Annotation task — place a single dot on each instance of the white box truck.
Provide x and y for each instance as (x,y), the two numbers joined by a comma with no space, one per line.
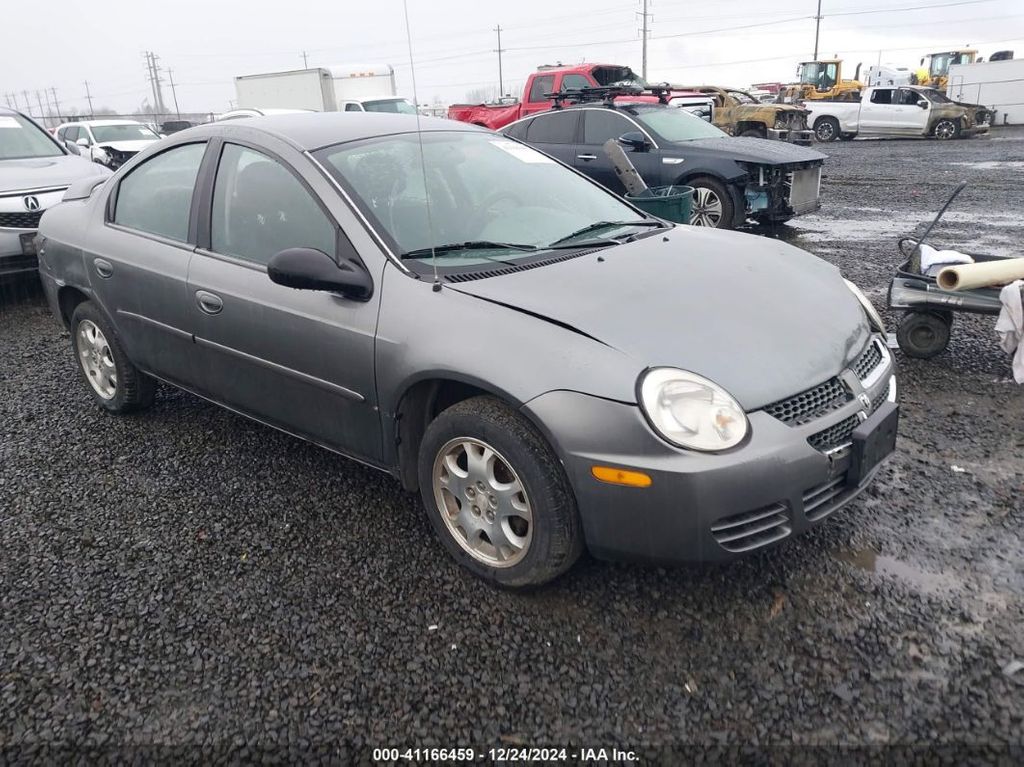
(999,85)
(323,89)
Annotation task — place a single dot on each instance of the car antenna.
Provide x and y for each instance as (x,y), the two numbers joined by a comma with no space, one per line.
(419,137)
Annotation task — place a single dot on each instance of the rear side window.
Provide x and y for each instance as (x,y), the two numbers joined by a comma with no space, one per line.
(553,128)
(260,209)
(881,96)
(156,197)
(540,86)
(599,126)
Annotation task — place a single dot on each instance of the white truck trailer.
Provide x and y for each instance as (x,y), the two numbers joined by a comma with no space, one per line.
(999,85)
(323,89)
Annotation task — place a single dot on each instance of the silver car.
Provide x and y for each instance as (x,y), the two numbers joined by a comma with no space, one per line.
(34,172)
(550,368)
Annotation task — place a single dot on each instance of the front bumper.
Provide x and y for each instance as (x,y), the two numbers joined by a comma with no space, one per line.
(13,259)
(804,136)
(700,507)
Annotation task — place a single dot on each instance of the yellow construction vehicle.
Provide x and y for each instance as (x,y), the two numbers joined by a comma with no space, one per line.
(936,65)
(822,79)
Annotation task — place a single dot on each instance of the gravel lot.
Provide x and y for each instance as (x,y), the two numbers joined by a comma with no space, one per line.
(189,577)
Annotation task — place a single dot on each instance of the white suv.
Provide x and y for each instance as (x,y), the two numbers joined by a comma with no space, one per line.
(108,142)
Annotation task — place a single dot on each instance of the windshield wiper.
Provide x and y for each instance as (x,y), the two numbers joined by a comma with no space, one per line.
(470,245)
(598,225)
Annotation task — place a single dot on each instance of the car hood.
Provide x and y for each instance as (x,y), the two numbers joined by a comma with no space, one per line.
(44,172)
(762,318)
(756,150)
(127,146)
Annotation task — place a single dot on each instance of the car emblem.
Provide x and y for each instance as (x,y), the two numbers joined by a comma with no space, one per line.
(31,202)
(865,400)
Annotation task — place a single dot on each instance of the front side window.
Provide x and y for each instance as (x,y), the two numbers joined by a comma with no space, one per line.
(601,125)
(481,188)
(21,138)
(674,124)
(125,132)
(575,81)
(260,208)
(72,133)
(540,86)
(908,97)
(553,128)
(353,107)
(156,197)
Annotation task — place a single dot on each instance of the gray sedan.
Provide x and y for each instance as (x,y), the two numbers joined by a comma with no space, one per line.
(550,368)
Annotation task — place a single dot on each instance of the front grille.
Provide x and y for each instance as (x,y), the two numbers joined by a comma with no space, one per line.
(869,359)
(834,436)
(753,529)
(19,220)
(822,500)
(813,403)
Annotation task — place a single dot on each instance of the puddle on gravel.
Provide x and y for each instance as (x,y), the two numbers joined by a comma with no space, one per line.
(926,582)
(991,164)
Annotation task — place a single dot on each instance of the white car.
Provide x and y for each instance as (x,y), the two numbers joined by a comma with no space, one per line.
(237,114)
(108,142)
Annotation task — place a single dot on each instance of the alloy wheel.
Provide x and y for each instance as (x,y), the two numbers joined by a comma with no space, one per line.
(97,359)
(483,502)
(945,129)
(825,132)
(707,208)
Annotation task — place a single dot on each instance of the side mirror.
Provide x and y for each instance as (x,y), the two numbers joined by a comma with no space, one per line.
(634,140)
(310,269)
(922,104)
(73,148)
(83,142)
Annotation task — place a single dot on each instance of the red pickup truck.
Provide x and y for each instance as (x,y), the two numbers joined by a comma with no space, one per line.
(551,79)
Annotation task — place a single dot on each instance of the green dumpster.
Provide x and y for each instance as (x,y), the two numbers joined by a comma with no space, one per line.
(672,203)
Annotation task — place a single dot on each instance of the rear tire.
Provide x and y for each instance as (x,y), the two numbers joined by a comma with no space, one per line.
(826,129)
(923,335)
(114,382)
(497,496)
(712,204)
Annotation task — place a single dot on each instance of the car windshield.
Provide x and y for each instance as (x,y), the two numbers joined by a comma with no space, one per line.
(936,97)
(483,189)
(21,138)
(401,106)
(743,97)
(674,124)
(123,132)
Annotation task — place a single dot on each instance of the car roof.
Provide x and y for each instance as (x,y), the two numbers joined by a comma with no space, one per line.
(313,130)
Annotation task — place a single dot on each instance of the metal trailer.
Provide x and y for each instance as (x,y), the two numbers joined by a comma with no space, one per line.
(998,85)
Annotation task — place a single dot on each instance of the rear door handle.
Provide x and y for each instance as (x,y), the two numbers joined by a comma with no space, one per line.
(103,268)
(208,302)
(587,157)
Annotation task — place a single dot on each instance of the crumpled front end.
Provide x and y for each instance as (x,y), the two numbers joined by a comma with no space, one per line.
(779,192)
(791,125)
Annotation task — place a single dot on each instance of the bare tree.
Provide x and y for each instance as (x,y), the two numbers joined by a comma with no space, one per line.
(481,95)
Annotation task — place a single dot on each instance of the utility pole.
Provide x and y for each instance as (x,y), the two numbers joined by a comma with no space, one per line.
(305,60)
(28,104)
(88,97)
(645,19)
(154,81)
(39,101)
(49,106)
(817,30)
(174,93)
(56,103)
(499,50)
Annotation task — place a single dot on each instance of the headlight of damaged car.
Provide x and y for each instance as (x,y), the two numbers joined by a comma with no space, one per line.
(690,411)
(869,309)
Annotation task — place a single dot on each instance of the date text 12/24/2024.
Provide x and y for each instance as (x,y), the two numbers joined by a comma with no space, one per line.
(504,754)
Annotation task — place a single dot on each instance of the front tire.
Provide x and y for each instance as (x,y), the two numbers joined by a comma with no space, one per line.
(114,382)
(923,335)
(826,129)
(497,496)
(712,204)
(752,133)
(946,129)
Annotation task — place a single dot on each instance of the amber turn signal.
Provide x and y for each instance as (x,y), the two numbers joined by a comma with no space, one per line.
(621,476)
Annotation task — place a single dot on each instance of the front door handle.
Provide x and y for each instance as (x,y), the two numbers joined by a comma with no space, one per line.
(103,267)
(587,157)
(208,302)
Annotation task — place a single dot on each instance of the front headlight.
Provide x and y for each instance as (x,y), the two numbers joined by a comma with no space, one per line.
(869,309)
(690,411)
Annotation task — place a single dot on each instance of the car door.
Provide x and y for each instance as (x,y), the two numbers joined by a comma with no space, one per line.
(296,359)
(876,114)
(555,133)
(600,125)
(908,114)
(138,257)
(536,101)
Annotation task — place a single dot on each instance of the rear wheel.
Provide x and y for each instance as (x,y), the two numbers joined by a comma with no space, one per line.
(946,129)
(497,496)
(826,129)
(115,383)
(923,334)
(712,204)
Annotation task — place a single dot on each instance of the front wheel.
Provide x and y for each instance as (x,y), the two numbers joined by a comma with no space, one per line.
(712,204)
(826,129)
(497,496)
(946,129)
(115,383)
(752,133)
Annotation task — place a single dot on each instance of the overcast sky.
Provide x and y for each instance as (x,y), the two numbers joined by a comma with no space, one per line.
(60,43)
